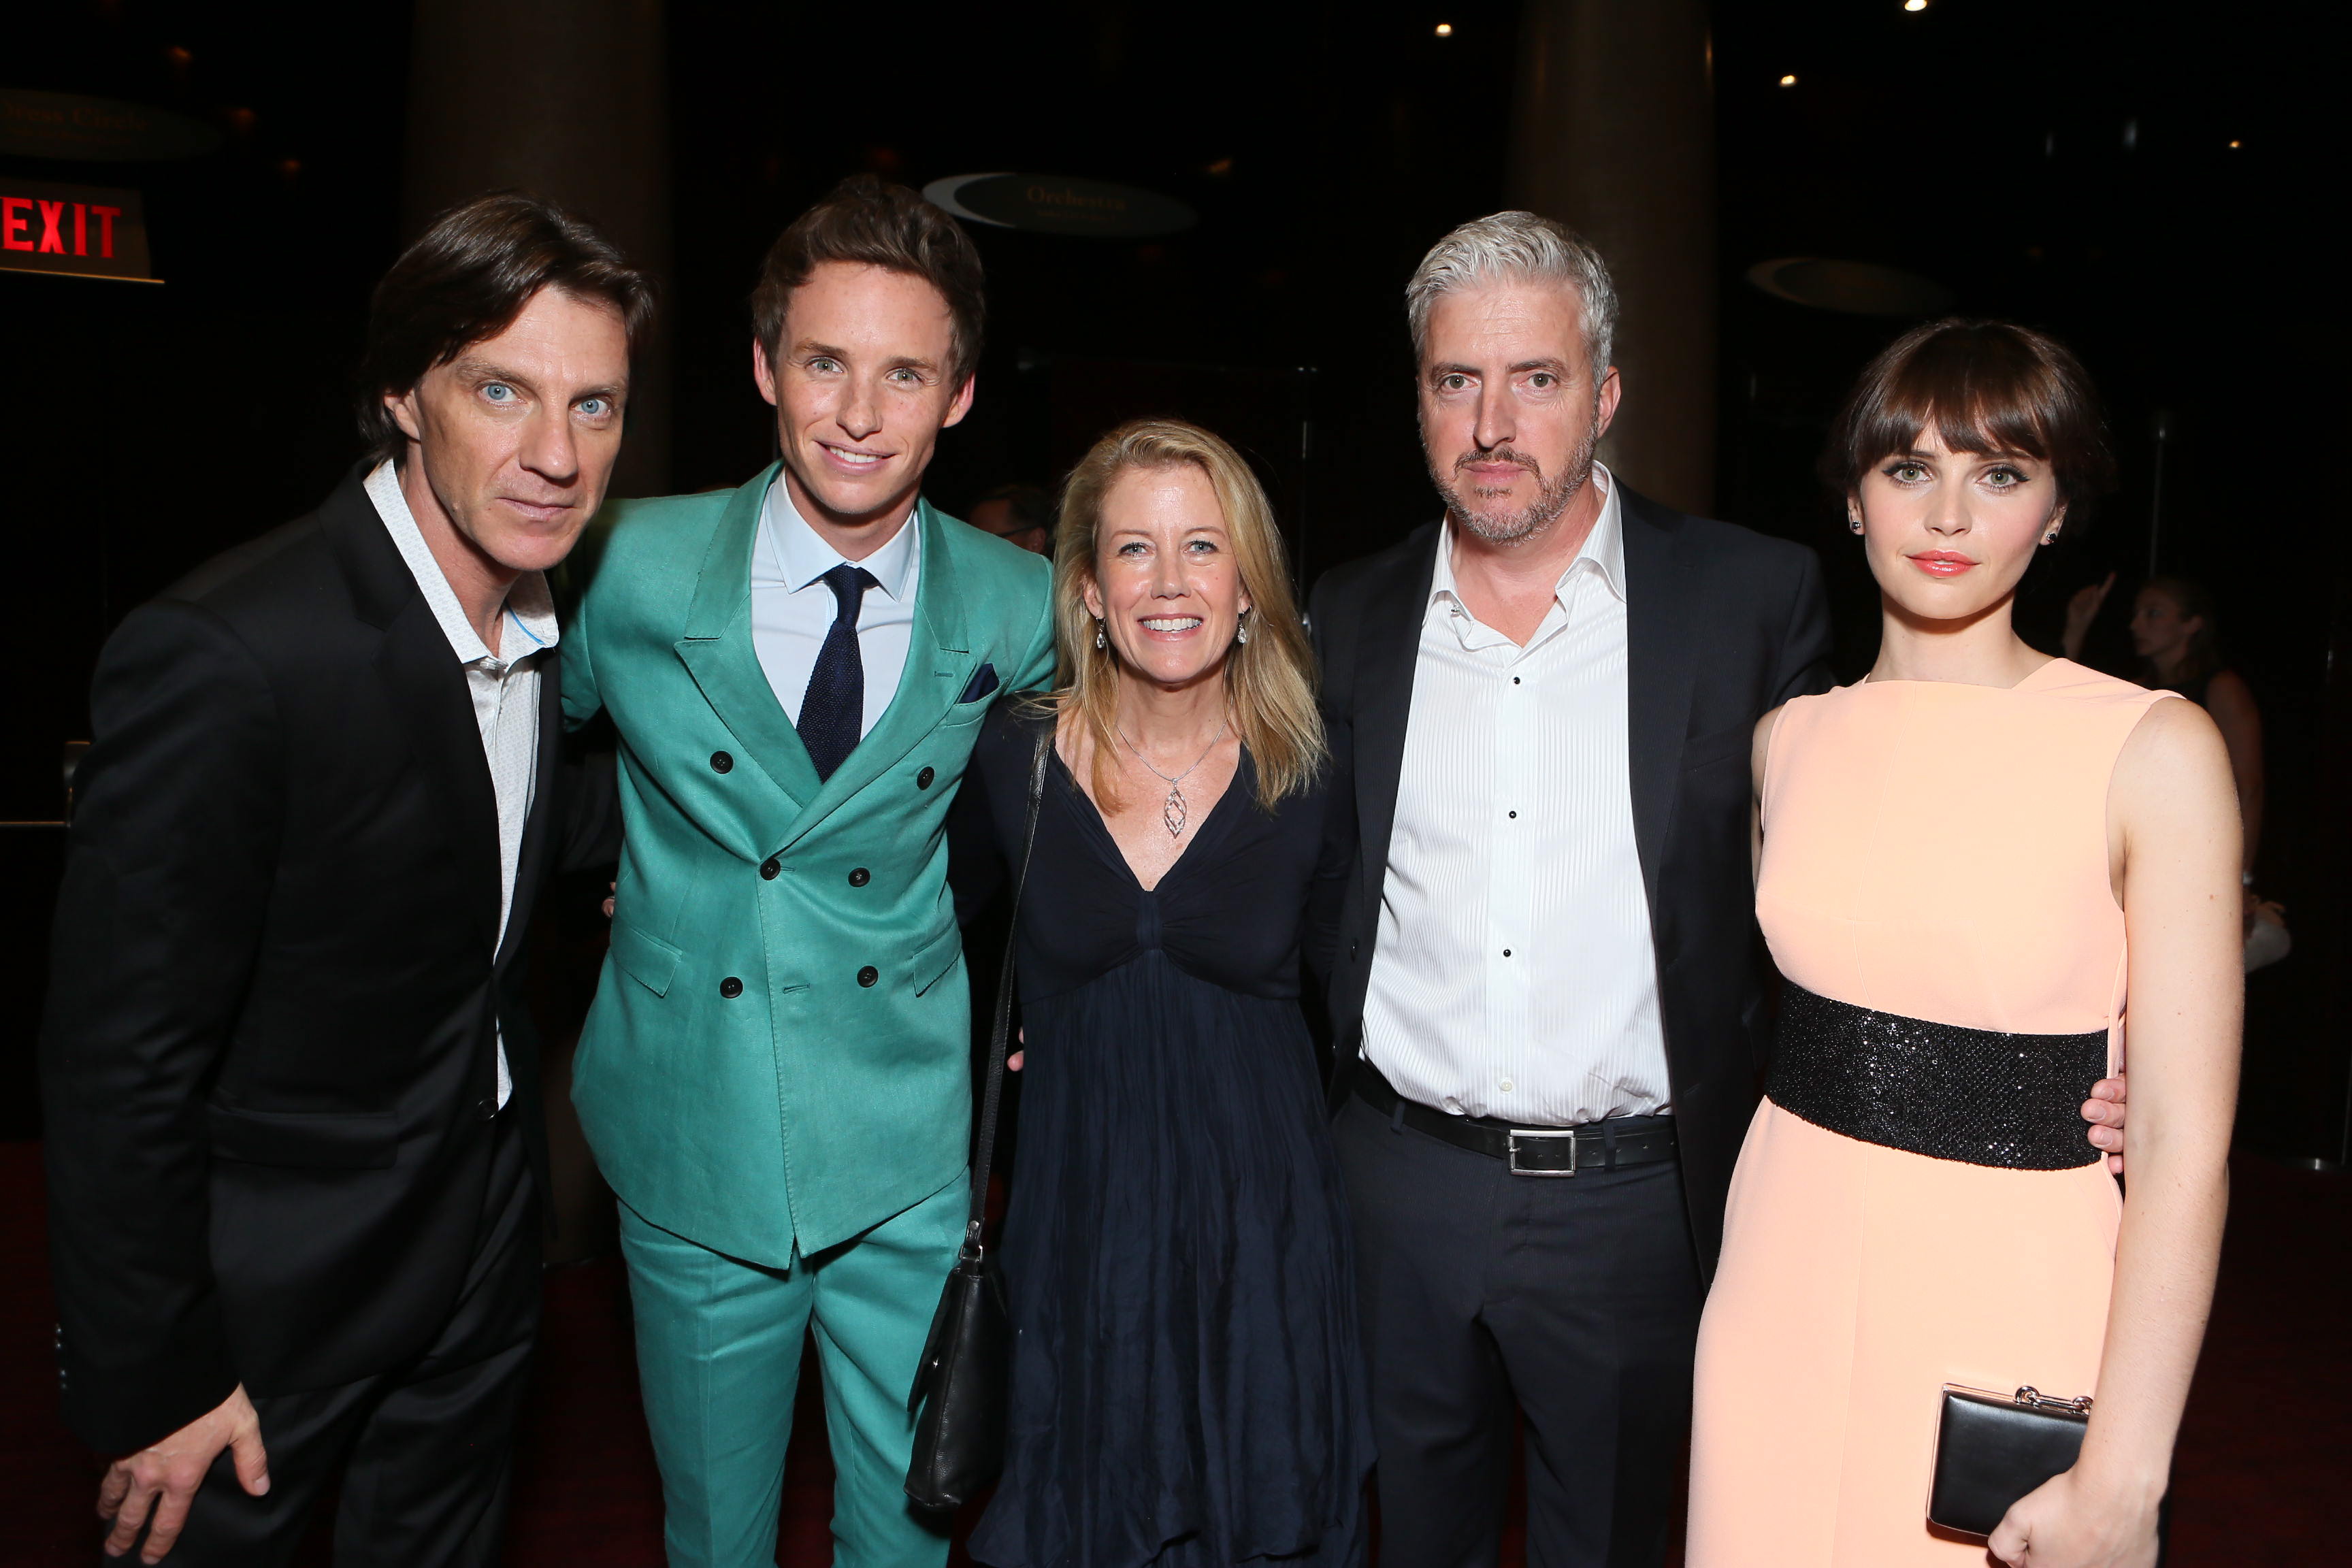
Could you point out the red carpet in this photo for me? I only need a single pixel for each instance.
(2262, 1463)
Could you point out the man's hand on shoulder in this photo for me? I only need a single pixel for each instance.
(164, 1476)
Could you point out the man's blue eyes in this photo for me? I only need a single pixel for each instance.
(499, 393)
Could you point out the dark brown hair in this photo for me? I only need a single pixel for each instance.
(1987, 387)
(868, 221)
(467, 277)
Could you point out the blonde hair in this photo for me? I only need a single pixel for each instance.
(1269, 679)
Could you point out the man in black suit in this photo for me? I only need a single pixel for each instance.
(293, 1120)
(1547, 1008)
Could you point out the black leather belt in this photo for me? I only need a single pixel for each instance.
(1607, 1145)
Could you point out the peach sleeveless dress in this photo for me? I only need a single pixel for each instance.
(1939, 852)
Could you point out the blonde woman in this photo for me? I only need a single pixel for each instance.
(1186, 1383)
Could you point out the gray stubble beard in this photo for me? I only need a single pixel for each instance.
(1551, 499)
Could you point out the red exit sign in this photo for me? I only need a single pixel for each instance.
(86, 231)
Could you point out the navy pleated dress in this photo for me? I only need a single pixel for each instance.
(1187, 1387)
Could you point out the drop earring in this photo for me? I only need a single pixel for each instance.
(1101, 640)
(1241, 628)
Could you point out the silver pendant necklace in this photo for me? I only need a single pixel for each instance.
(1174, 812)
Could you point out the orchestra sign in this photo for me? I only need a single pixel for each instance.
(1056, 204)
(83, 231)
(69, 125)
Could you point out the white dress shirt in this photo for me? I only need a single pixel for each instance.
(792, 608)
(503, 685)
(1513, 975)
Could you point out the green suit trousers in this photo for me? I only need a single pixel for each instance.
(719, 1352)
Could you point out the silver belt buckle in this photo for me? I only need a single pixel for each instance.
(1534, 1134)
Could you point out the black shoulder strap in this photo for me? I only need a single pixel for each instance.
(984, 1147)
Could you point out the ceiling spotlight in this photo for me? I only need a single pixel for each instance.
(2233, 141)
(1445, 29)
(1915, 5)
(1788, 81)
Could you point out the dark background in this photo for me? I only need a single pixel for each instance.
(2070, 166)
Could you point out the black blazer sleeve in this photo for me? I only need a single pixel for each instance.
(167, 882)
(1802, 668)
(592, 811)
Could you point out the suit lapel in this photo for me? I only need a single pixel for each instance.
(717, 649)
(1660, 648)
(427, 687)
(546, 789)
(939, 661)
(1386, 659)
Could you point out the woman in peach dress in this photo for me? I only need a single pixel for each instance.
(1974, 866)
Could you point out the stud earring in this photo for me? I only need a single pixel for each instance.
(1101, 640)
(1855, 523)
(2050, 538)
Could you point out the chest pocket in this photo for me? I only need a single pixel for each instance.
(643, 957)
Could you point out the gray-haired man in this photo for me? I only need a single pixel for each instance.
(1549, 1010)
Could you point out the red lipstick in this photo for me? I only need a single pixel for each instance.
(1941, 563)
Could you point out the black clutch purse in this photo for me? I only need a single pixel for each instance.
(958, 1397)
(1994, 1448)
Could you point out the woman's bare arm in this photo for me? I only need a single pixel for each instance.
(2173, 820)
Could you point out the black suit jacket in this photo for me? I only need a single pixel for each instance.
(267, 1058)
(1722, 624)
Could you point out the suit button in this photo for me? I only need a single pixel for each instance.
(923, 780)
(485, 1107)
(721, 762)
(868, 976)
(860, 877)
(770, 868)
(731, 988)
(1351, 951)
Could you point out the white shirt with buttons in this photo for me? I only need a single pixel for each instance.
(503, 685)
(792, 608)
(1515, 976)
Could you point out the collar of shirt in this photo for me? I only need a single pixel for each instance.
(529, 608)
(797, 555)
(1603, 555)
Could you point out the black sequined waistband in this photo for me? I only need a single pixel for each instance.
(1973, 1095)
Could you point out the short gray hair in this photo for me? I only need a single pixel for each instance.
(1517, 245)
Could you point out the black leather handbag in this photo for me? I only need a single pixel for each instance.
(959, 1396)
(1994, 1448)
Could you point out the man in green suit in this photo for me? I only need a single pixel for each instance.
(775, 1076)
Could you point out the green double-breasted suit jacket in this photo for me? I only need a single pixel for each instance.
(778, 1057)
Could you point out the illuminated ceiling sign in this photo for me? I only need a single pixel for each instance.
(84, 231)
(1054, 203)
(1854, 287)
(67, 125)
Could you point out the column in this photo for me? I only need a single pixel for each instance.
(1614, 134)
(568, 99)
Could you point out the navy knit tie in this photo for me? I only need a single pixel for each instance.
(833, 713)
